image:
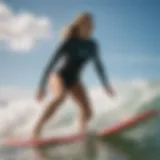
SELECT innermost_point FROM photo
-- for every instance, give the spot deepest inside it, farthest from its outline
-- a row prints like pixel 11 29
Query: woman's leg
pixel 58 89
pixel 78 93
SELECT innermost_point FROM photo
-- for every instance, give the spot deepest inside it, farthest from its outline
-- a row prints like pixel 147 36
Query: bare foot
pixel 35 134
pixel 35 137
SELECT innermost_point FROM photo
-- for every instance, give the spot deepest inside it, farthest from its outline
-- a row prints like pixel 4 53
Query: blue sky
pixel 128 32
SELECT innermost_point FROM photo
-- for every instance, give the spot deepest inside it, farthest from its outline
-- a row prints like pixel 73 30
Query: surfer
pixel 78 48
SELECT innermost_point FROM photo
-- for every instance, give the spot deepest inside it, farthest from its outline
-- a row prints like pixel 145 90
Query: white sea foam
pixel 21 111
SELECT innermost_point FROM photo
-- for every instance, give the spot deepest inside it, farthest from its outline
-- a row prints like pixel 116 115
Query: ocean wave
pixel 20 115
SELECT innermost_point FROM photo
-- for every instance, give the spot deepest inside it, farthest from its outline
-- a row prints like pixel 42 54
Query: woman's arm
pixel 101 71
pixel 99 67
pixel 55 57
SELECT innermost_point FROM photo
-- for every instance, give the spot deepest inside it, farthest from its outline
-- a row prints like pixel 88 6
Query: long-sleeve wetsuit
pixel 77 52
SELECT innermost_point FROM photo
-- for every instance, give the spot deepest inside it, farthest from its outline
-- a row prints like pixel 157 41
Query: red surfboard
pixel 114 129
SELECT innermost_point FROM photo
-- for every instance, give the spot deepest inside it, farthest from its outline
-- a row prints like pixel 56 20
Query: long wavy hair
pixel 72 30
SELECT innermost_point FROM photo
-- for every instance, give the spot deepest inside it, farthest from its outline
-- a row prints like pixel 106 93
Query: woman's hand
pixel 109 90
pixel 40 95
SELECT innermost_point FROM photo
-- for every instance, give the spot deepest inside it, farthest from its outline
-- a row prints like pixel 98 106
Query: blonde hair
pixel 72 30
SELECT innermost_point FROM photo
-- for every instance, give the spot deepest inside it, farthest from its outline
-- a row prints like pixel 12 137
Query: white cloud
pixel 21 31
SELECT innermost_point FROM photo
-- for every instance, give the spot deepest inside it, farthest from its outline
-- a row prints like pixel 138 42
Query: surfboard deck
pixel 114 129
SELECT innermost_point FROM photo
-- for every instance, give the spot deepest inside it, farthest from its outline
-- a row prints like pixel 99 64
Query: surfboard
pixel 114 129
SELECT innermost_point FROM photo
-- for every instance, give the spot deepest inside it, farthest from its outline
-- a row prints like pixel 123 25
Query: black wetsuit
pixel 77 52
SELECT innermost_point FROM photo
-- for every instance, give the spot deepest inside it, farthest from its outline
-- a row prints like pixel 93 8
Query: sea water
pixel 19 114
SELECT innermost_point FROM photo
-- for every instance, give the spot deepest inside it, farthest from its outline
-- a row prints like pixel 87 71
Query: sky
pixel 128 32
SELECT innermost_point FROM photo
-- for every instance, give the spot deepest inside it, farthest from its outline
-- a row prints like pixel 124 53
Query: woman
pixel 77 49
